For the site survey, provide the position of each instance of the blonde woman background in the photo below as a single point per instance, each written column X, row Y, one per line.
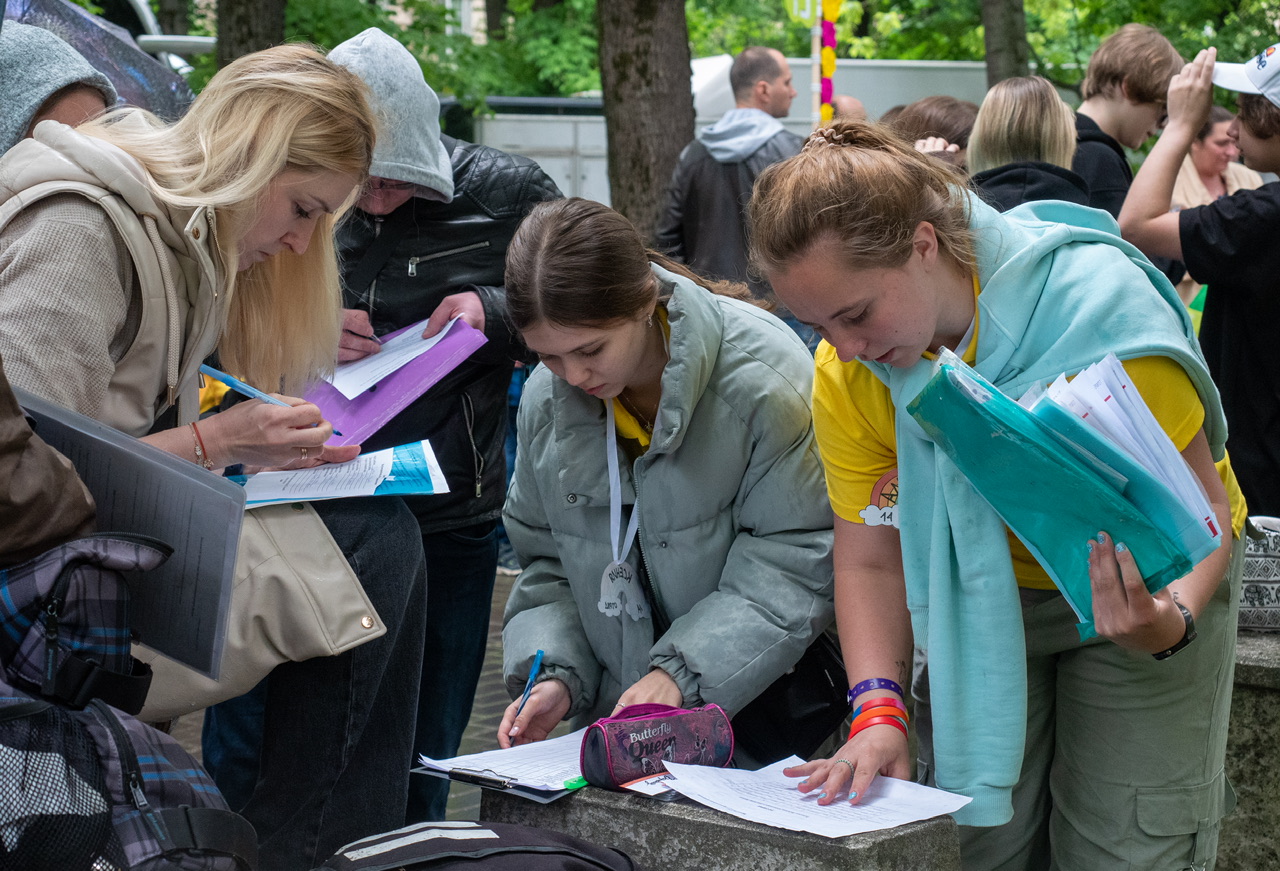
column 129, row 251
column 1022, row 145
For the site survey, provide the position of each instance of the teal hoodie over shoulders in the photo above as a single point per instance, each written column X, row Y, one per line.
column 1059, row 290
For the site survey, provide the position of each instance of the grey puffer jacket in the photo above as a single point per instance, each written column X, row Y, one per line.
column 735, row 526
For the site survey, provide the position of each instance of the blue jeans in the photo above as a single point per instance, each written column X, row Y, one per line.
column 321, row 779
column 462, row 564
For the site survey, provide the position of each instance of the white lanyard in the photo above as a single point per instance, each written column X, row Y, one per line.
column 615, row 492
column 619, row 580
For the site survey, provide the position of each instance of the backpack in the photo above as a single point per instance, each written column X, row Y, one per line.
column 84, row 785
column 476, row 846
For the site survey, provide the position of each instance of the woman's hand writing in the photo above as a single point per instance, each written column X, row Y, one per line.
column 879, row 749
column 547, row 705
column 260, row 434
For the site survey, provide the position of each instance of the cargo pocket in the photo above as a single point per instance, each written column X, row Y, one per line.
column 1194, row 811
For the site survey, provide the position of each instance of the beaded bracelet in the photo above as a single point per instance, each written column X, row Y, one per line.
column 202, row 456
column 878, row 721
column 886, row 700
column 875, row 683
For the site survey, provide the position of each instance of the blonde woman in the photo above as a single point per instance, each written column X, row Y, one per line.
column 1022, row 145
column 130, row 250
column 1077, row 754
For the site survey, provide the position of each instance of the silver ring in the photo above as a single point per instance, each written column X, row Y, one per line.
column 304, row 453
column 845, row 762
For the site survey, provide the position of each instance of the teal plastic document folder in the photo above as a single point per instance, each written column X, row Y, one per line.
column 1056, row 484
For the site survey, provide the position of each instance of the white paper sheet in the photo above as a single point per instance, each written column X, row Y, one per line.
column 360, row 477
column 356, row 377
column 546, row 765
column 768, row 796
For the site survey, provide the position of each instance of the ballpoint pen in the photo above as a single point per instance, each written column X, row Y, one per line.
column 533, row 676
column 244, row 389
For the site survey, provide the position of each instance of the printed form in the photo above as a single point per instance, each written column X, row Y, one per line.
column 770, row 797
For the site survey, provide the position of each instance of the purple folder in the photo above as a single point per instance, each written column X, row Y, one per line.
column 361, row 417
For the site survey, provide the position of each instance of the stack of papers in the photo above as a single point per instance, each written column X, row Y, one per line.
column 1069, row 461
column 410, row 469
column 770, row 797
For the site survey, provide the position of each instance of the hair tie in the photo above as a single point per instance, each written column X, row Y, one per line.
column 827, row 137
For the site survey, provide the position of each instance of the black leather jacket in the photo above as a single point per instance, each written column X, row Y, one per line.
column 703, row 221
column 446, row 248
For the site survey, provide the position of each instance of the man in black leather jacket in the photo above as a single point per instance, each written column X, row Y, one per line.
column 449, row 208
column 703, row 222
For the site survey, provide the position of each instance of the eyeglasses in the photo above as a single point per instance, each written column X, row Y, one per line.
column 386, row 184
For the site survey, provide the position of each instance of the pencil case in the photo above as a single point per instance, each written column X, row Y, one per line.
column 635, row 742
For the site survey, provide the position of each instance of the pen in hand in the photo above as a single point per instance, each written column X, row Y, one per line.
column 244, row 389
column 533, row 677
column 361, row 336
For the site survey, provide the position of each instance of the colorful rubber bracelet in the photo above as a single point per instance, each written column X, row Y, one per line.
column 886, row 700
column 865, row 711
column 875, row 683
column 879, row 711
column 878, row 721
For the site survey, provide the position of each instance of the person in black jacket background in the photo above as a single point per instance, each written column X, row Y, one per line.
column 703, row 220
column 428, row 239
column 1124, row 104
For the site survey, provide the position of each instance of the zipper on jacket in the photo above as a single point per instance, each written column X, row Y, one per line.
column 469, row 419
column 131, row 771
column 414, row 261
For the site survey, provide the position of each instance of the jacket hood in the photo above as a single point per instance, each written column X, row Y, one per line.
column 34, row 65
column 1016, row 183
column 738, row 135
column 408, row 147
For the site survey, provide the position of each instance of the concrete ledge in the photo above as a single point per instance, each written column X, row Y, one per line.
column 1250, row 835
column 684, row 836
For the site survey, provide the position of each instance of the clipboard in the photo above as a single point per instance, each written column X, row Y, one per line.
column 542, row 771
column 180, row 608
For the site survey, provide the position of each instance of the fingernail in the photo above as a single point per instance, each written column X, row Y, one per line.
column 822, row 795
column 1120, row 548
column 515, row 730
column 804, row 783
column 1102, row 538
column 852, row 795
column 1089, row 545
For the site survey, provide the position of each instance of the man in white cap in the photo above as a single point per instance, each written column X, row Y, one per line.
column 1230, row 245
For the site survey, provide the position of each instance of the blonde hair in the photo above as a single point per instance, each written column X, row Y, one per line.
column 1136, row 57
column 284, row 108
column 576, row 262
column 862, row 187
column 1022, row 119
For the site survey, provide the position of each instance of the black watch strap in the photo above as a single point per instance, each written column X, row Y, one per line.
column 1187, row 637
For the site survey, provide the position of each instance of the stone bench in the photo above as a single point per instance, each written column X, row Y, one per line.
column 684, row 836
column 1251, row 836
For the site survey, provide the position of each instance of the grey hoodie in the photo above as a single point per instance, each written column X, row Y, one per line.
column 408, row 146
column 738, row 135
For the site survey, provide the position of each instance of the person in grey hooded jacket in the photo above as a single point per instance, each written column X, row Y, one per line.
column 703, row 221
column 666, row 474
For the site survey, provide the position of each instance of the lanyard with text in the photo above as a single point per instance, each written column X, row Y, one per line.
column 619, row 577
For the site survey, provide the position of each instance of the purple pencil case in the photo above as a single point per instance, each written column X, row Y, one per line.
column 637, row 741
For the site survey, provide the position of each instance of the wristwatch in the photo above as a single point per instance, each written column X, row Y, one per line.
column 1187, row 637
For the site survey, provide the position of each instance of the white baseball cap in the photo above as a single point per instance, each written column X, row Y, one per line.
column 1258, row 76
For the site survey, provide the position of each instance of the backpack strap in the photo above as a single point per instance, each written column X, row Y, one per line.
column 211, row 830
column 78, row 680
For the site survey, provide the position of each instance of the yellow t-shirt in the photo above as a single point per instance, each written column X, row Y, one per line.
column 634, row 437
column 854, row 418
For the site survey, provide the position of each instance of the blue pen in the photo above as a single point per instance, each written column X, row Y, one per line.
column 244, row 389
column 533, row 676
